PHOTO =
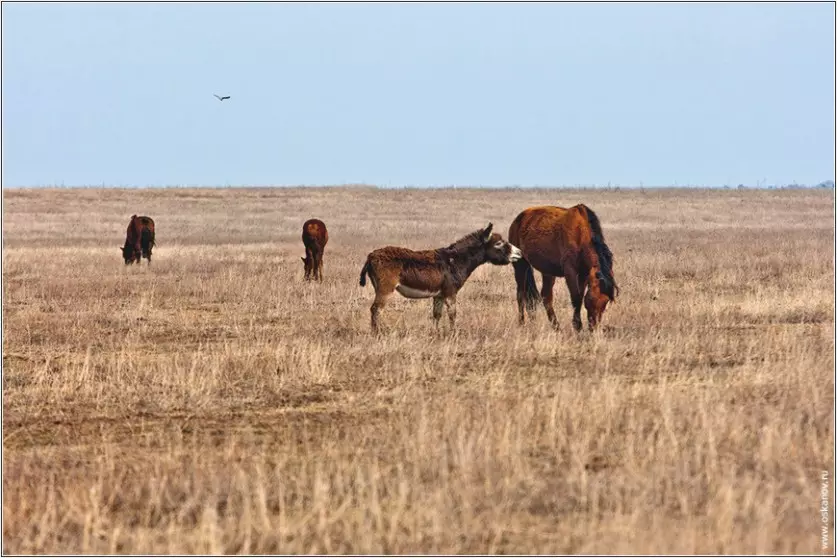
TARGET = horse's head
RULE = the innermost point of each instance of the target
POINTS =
(498, 250)
(127, 253)
(308, 263)
(601, 290)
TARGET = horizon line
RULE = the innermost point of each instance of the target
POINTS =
(822, 185)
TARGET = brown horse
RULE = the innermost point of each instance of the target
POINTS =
(314, 237)
(437, 274)
(565, 243)
(139, 240)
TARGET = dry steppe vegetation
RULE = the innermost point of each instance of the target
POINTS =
(214, 402)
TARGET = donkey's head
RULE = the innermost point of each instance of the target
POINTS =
(497, 250)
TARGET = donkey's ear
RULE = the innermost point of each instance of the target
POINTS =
(486, 233)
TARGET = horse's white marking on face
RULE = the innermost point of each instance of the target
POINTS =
(410, 292)
(516, 254)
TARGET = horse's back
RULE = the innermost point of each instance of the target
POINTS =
(542, 221)
(548, 234)
(146, 222)
(314, 232)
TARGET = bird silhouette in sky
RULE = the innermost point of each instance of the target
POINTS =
(222, 98)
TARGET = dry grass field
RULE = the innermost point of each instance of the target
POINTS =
(215, 403)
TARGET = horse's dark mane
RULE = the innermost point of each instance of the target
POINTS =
(609, 287)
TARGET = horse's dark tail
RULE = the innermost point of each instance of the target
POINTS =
(147, 239)
(530, 292)
(606, 279)
(363, 273)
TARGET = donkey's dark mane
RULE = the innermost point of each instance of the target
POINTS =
(466, 243)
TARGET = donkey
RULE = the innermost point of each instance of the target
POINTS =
(314, 237)
(567, 243)
(436, 274)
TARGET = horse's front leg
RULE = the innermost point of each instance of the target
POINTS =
(320, 266)
(576, 295)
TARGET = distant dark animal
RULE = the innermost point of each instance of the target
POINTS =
(437, 274)
(565, 243)
(222, 98)
(314, 237)
(139, 240)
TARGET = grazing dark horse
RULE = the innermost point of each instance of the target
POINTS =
(314, 237)
(565, 243)
(139, 240)
(437, 274)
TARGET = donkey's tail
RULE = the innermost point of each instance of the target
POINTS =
(363, 273)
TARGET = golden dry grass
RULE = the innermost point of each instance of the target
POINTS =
(215, 403)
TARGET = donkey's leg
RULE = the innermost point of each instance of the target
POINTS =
(382, 294)
(450, 302)
(546, 295)
(576, 292)
(438, 304)
(520, 269)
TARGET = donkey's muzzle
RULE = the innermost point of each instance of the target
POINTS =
(516, 254)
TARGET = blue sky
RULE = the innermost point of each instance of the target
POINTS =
(417, 94)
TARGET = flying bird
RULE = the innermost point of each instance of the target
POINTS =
(221, 98)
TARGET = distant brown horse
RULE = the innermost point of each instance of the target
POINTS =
(437, 274)
(139, 240)
(565, 243)
(314, 237)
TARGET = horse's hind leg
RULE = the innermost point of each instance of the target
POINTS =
(546, 295)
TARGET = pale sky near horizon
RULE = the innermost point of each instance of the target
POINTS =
(417, 94)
